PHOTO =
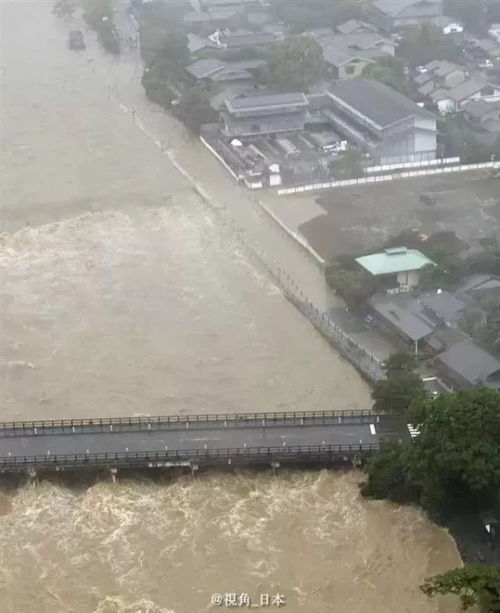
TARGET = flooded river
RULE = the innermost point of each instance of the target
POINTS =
(125, 293)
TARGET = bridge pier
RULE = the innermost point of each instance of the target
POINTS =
(356, 461)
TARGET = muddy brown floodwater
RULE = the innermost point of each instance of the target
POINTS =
(124, 293)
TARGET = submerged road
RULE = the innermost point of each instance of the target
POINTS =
(147, 441)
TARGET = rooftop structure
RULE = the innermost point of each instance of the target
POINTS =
(465, 365)
(392, 261)
(375, 103)
(264, 113)
(391, 14)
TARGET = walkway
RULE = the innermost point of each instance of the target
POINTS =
(249, 438)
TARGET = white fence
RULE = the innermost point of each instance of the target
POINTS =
(411, 165)
(384, 178)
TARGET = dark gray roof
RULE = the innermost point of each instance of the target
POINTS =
(377, 102)
(204, 68)
(444, 304)
(247, 40)
(443, 339)
(354, 25)
(267, 101)
(403, 313)
(408, 8)
(479, 108)
(230, 74)
(470, 362)
(465, 90)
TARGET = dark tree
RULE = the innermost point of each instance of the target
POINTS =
(293, 64)
(474, 584)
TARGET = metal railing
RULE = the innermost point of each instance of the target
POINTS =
(238, 419)
(154, 459)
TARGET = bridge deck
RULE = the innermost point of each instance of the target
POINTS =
(142, 441)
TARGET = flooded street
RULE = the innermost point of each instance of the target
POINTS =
(124, 293)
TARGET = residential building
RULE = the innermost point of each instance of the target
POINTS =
(347, 54)
(481, 112)
(441, 73)
(494, 31)
(403, 316)
(377, 118)
(449, 25)
(399, 262)
(264, 114)
(354, 26)
(489, 47)
(216, 74)
(208, 4)
(465, 365)
(241, 39)
(393, 14)
(456, 98)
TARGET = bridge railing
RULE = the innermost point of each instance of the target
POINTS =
(25, 427)
(159, 458)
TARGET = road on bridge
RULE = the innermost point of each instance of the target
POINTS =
(191, 434)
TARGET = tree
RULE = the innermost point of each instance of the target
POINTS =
(293, 64)
(387, 475)
(194, 110)
(388, 70)
(473, 14)
(402, 386)
(424, 43)
(454, 463)
(162, 36)
(475, 584)
(64, 8)
(400, 362)
(348, 165)
(99, 15)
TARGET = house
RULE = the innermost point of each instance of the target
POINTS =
(464, 365)
(347, 54)
(402, 315)
(393, 14)
(439, 75)
(479, 111)
(456, 98)
(241, 39)
(199, 46)
(488, 47)
(448, 25)
(263, 114)
(494, 31)
(354, 26)
(208, 4)
(377, 118)
(399, 262)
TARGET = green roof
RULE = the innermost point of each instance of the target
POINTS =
(391, 261)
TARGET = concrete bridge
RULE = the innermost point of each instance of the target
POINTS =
(316, 437)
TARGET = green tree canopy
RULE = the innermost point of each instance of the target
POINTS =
(64, 8)
(293, 64)
(348, 165)
(193, 109)
(454, 463)
(401, 387)
(424, 43)
(390, 71)
(475, 584)
(162, 36)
